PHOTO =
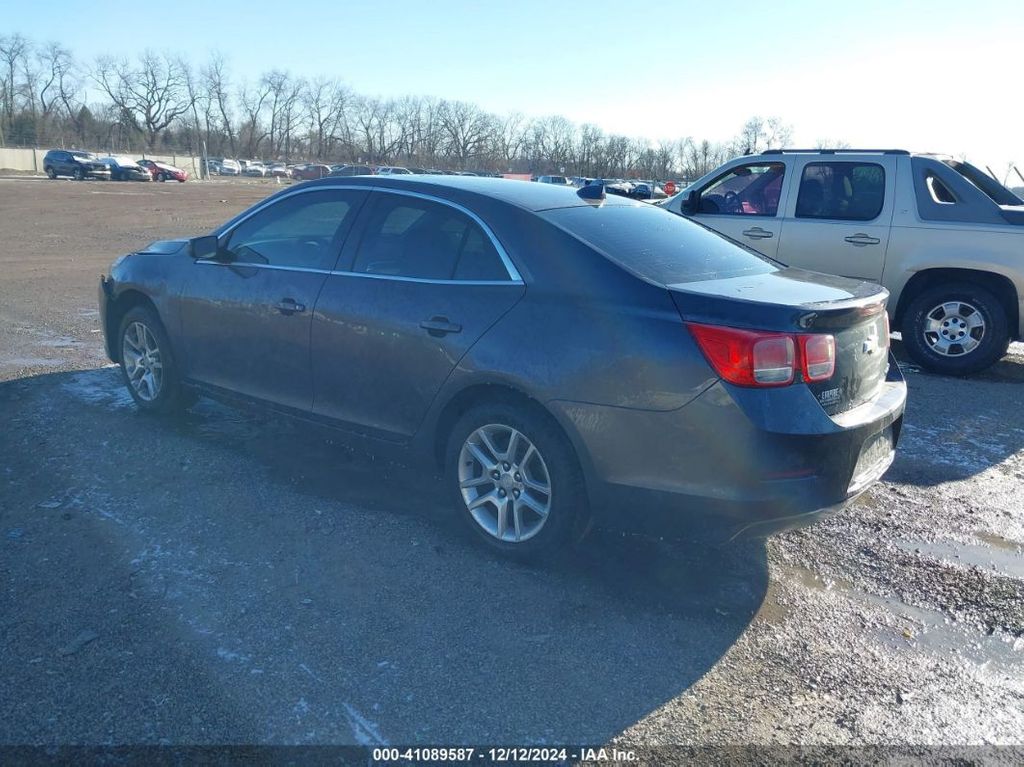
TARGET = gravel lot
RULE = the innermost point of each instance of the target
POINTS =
(231, 578)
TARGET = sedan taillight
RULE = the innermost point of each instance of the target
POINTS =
(762, 358)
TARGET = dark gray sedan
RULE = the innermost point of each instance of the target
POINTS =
(562, 357)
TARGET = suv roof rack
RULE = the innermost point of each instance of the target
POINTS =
(835, 151)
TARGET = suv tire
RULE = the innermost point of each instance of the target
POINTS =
(79, 174)
(50, 172)
(542, 458)
(955, 329)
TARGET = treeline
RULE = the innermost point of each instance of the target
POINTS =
(161, 103)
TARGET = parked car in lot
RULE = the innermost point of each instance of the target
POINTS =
(351, 170)
(647, 190)
(125, 169)
(558, 354)
(557, 180)
(311, 171)
(279, 170)
(390, 170)
(228, 167)
(945, 238)
(161, 171)
(75, 163)
(254, 168)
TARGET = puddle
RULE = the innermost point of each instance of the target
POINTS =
(58, 342)
(998, 541)
(31, 362)
(913, 627)
(1005, 558)
(933, 632)
(100, 387)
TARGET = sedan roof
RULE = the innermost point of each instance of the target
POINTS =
(524, 194)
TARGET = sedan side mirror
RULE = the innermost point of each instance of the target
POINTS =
(205, 247)
(691, 204)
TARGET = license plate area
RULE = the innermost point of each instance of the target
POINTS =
(876, 455)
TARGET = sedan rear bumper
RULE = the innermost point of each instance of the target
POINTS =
(709, 470)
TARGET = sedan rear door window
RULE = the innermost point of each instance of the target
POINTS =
(416, 238)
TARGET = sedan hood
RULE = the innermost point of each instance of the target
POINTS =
(164, 247)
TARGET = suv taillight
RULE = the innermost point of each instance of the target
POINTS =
(762, 358)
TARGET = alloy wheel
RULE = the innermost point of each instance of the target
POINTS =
(954, 328)
(142, 361)
(504, 483)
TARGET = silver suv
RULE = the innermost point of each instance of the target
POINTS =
(946, 239)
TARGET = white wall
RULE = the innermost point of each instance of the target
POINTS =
(32, 160)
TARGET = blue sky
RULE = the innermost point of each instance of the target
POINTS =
(932, 76)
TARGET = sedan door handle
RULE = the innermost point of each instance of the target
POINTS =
(862, 239)
(289, 306)
(757, 233)
(440, 326)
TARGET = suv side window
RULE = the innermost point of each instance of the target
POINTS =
(303, 231)
(746, 190)
(843, 191)
(412, 237)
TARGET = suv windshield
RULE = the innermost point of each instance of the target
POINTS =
(657, 245)
(998, 193)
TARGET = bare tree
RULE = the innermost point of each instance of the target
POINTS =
(509, 139)
(14, 53)
(155, 93)
(467, 129)
(216, 85)
(252, 132)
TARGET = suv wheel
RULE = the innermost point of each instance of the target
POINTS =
(955, 329)
(515, 478)
(79, 174)
(147, 362)
(51, 172)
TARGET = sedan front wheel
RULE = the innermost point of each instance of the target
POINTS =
(147, 363)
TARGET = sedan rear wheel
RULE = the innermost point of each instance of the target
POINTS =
(505, 483)
(515, 478)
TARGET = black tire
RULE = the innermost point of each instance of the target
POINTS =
(170, 396)
(567, 499)
(161, 176)
(994, 336)
(51, 172)
(79, 174)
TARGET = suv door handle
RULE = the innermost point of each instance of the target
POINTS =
(757, 233)
(289, 306)
(862, 239)
(440, 326)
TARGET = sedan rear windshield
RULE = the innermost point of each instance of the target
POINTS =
(657, 245)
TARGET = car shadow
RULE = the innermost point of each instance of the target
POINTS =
(270, 585)
(954, 427)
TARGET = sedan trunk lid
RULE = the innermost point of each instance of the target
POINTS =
(797, 301)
